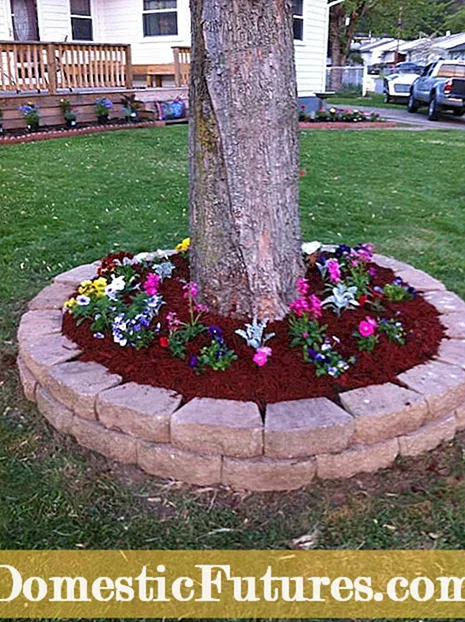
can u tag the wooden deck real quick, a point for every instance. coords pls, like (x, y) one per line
(60, 67)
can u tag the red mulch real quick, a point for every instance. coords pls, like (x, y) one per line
(286, 376)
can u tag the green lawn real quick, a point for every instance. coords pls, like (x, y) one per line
(67, 202)
(374, 100)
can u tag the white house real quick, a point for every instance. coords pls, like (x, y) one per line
(153, 28)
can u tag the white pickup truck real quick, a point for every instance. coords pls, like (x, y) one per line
(440, 87)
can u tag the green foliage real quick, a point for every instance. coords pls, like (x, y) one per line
(179, 339)
(409, 18)
(397, 293)
(393, 330)
(456, 21)
(306, 334)
(216, 356)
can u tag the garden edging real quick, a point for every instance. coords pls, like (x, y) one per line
(209, 441)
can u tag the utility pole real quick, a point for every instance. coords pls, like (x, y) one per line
(400, 29)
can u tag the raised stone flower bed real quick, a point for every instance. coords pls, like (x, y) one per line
(209, 441)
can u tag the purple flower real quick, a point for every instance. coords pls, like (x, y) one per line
(342, 249)
(312, 354)
(215, 332)
(193, 361)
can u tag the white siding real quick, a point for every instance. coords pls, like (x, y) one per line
(311, 53)
(122, 23)
(5, 21)
(54, 20)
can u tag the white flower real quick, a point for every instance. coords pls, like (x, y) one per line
(117, 285)
(83, 301)
(310, 248)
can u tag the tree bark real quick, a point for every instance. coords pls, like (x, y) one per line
(244, 156)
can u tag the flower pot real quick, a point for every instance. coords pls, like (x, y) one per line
(70, 124)
(32, 127)
(1, 129)
(102, 119)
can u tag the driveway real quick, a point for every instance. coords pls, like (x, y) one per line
(418, 120)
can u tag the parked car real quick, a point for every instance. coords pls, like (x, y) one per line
(440, 87)
(397, 86)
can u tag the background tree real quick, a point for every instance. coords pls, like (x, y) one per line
(243, 156)
(383, 17)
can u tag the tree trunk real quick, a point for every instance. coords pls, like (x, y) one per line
(338, 60)
(244, 156)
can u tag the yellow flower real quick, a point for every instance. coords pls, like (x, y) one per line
(184, 246)
(99, 286)
(70, 304)
(85, 288)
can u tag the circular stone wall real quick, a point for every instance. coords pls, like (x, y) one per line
(209, 441)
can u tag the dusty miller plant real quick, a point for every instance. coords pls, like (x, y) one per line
(254, 333)
(343, 298)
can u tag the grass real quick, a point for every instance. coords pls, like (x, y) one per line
(373, 100)
(67, 202)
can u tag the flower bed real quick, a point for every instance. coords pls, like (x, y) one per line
(339, 115)
(386, 398)
(317, 351)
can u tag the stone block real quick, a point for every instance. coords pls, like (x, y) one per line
(52, 297)
(138, 410)
(446, 302)
(267, 474)
(47, 351)
(442, 385)
(173, 463)
(114, 445)
(60, 417)
(452, 351)
(303, 428)
(28, 381)
(428, 437)
(77, 385)
(357, 459)
(384, 411)
(224, 427)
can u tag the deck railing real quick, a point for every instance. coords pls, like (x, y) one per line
(37, 66)
(182, 65)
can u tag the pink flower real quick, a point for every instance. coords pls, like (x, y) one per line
(300, 306)
(262, 355)
(315, 306)
(201, 309)
(334, 270)
(173, 321)
(367, 327)
(191, 290)
(303, 287)
(152, 284)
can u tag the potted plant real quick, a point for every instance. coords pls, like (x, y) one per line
(131, 108)
(69, 115)
(103, 107)
(31, 116)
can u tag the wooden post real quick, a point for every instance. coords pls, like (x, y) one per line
(129, 71)
(177, 67)
(52, 69)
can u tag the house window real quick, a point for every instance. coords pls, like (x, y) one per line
(299, 20)
(160, 18)
(24, 20)
(81, 20)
